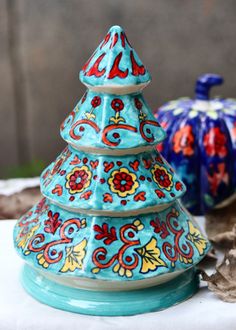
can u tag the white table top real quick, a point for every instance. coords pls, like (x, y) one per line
(18, 311)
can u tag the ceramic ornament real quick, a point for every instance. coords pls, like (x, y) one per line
(201, 145)
(110, 236)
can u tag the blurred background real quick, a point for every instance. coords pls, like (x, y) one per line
(43, 45)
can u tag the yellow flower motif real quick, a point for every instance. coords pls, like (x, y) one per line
(138, 224)
(78, 179)
(196, 238)
(122, 182)
(122, 271)
(74, 257)
(185, 260)
(23, 239)
(162, 177)
(42, 261)
(150, 255)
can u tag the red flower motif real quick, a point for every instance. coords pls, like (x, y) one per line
(162, 177)
(138, 103)
(117, 105)
(82, 176)
(183, 141)
(123, 181)
(78, 179)
(215, 142)
(96, 101)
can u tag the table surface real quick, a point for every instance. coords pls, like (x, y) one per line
(18, 311)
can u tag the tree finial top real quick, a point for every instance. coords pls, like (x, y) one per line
(115, 67)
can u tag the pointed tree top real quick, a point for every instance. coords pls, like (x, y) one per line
(115, 67)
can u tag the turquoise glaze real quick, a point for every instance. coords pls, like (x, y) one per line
(112, 122)
(110, 219)
(174, 241)
(101, 171)
(114, 62)
(110, 303)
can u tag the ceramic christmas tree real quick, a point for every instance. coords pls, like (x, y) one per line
(110, 223)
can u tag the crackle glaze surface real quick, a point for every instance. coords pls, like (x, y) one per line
(201, 147)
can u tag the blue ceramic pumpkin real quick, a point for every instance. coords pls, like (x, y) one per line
(201, 145)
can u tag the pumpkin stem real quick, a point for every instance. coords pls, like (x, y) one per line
(204, 84)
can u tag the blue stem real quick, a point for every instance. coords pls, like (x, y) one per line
(204, 84)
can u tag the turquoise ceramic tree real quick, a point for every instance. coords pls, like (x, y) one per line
(110, 222)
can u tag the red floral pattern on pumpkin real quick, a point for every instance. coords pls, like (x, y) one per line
(183, 141)
(215, 143)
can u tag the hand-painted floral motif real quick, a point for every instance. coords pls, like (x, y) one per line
(117, 105)
(215, 143)
(74, 257)
(183, 141)
(53, 251)
(150, 255)
(196, 238)
(123, 182)
(78, 179)
(96, 101)
(125, 262)
(23, 237)
(103, 233)
(178, 249)
(52, 223)
(202, 139)
(160, 227)
(162, 177)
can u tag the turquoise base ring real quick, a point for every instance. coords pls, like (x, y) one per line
(110, 303)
